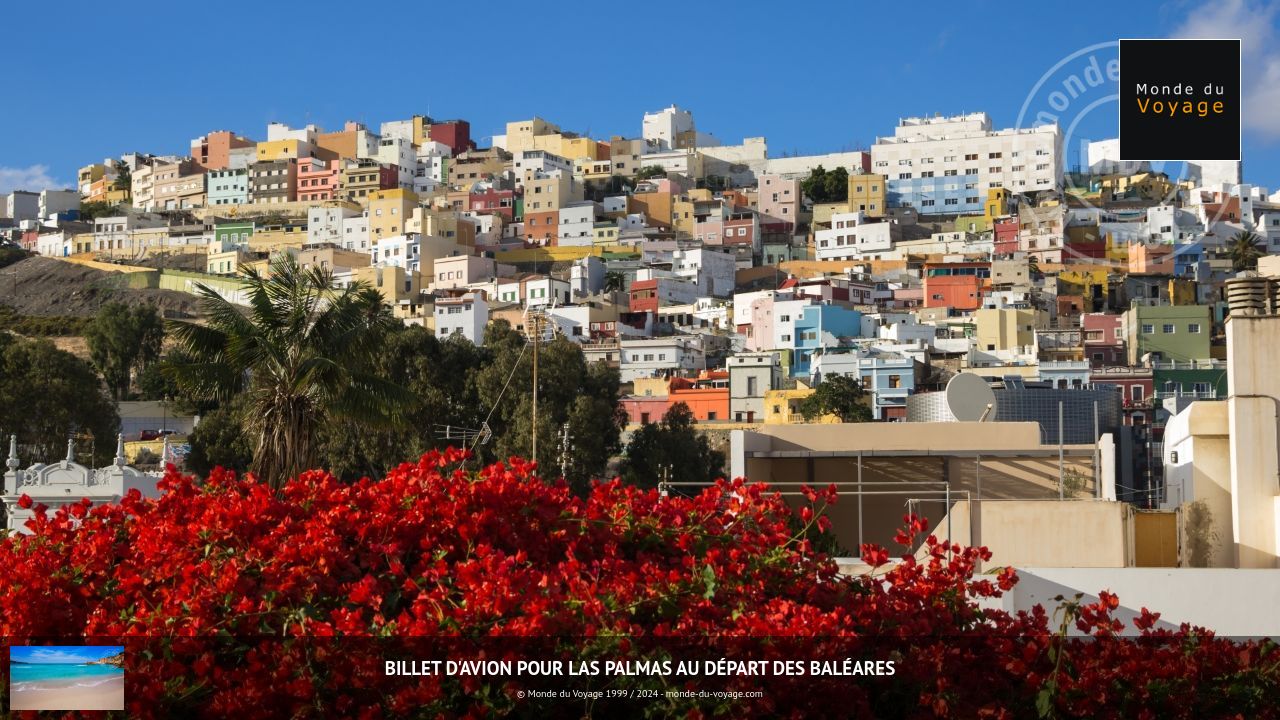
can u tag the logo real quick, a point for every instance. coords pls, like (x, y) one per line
(1180, 98)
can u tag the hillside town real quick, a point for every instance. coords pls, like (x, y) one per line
(1090, 297)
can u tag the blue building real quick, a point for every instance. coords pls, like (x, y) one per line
(946, 195)
(888, 378)
(822, 326)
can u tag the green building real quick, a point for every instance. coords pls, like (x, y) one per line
(232, 234)
(1168, 332)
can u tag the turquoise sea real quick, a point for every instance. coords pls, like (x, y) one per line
(51, 675)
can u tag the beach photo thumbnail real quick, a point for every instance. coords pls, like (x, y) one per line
(66, 677)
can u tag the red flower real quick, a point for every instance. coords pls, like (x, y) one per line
(25, 502)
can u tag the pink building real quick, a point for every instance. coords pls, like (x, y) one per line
(779, 201)
(317, 180)
(1104, 339)
(760, 332)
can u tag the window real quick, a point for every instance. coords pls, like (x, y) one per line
(904, 176)
(1167, 328)
(971, 171)
(993, 156)
(973, 156)
(895, 381)
(927, 174)
(711, 415)
(1148, 328)
(995, 169)
(949, 173)
(1119, 332)
(1193, 328)
(952, 201)
(1136, 392)
(1202, 389)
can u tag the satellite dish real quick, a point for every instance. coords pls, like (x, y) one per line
(970, 398)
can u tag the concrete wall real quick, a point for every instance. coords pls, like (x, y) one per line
(1197, 596)
(1200, 482)
(1045, 533)
(1253, 374)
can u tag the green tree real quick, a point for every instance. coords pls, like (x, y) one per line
(651, 171)
(671, 449)
(124, 177)
(220, 441)
(438, 375)
(1244, 249)
(837, 395)
(124, 340)
(571, 391)
(92, 210)
(823, 187)
(614, 281)
(304, 354)
(46, 394)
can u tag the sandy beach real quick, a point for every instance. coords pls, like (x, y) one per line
(105, 694)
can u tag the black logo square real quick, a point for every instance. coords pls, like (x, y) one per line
(1180, 99)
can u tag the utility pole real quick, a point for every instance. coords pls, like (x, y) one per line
(534, 317)
(564, 451)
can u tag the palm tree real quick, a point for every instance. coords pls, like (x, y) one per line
(1244, 249)
(302, 353)
(614, 281)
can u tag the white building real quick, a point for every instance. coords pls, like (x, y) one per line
(1104, 159)
(714, 272)
(53, 202)
(23, 205)
(654, 357)
(403, 251)
(66, 482)
(946, 165)
(665, 127)
(751, 375)
(355, 232)
(324, 223)
(851, 237)
(577, 224)
(465, 315)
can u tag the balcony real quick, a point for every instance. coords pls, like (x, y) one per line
(1189, 365)
(1210, 394)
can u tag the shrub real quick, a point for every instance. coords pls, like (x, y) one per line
(235, 600)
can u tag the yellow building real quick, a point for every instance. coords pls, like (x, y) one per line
(390, 212)
(472, 166)
(521, 134)
(283, 149)
(1006, 328)
(605, 234)
(274, 238)
(867, 194)
(1154, 187)
(1078, 280)
(395, 284)
(997, 204)
(782, 407)
(88, 175)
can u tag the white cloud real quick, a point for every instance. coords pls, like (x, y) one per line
(34, 178)
(42, 655)
(1254, 24)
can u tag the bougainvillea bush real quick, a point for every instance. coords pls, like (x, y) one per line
(237, 601)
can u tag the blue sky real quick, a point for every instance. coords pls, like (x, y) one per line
(89, 80)
(63, 654)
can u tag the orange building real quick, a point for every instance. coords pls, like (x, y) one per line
(1152, 259)
(706, 395)
(213, 151)
(542, 228)
(956, 285)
